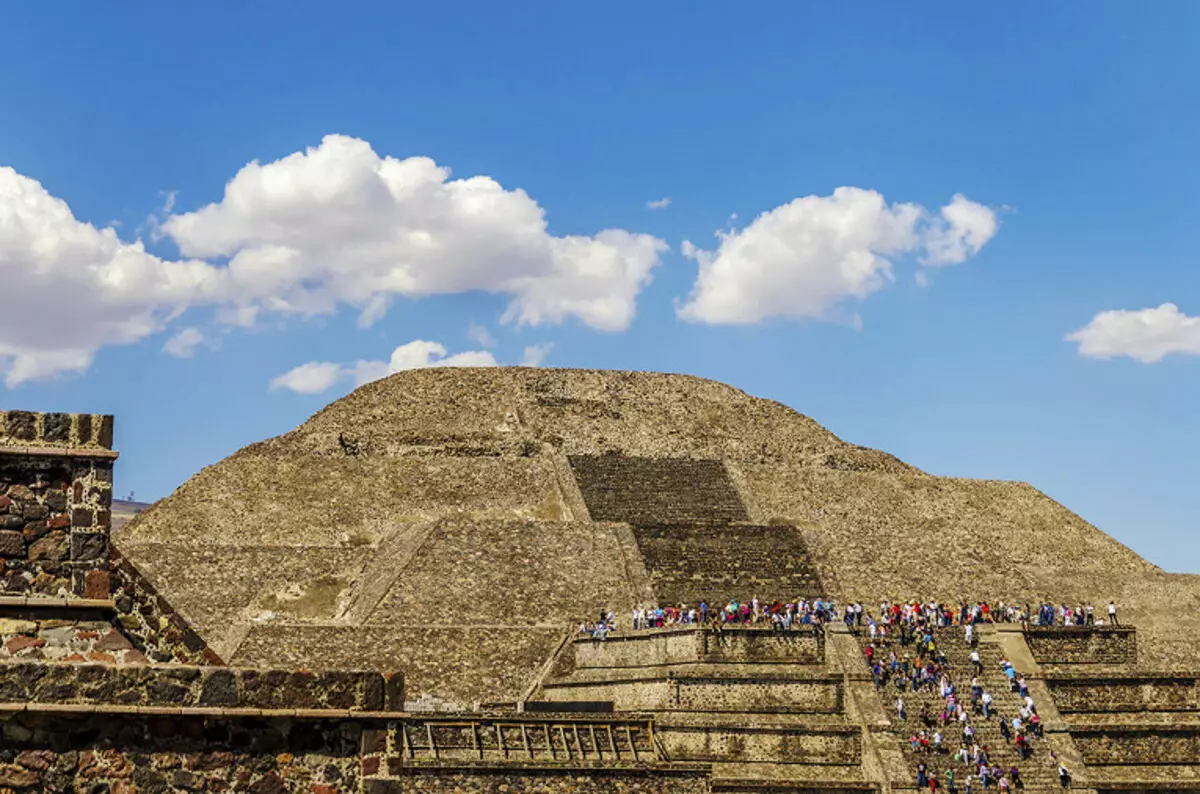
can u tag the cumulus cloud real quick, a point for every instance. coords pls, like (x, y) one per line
(184, 343)
(962, 229)
(318, 376)
(311, 378)
(78, 288)
(1147, 335)
(480, 335)
(334, 225)
(417, 354)
(534, 355)
(659, 204)
(338, 224)
(804, 258)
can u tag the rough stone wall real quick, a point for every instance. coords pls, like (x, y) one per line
(54, 523)
(689, 563)
(152, 626)
(750, 744)
(540, 781)
(444, 667)
(746, 694)
(181, 686)
(636, 490)
(1135, 693)
(130, 754)
(1079, 645)
(64, 635)
(510, 573)
(656, 647)
(1139, 746)
(334, 499)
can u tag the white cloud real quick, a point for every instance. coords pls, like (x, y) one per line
(107, 292)
(962, 230)
(418, 354)
(184, 343)
(480, 335)
(311, 378)
(1146, 334)
(534, 355)
(659, 204)
(318, 376)
(804, 258)
(336, 224)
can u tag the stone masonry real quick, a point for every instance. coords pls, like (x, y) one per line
(55, 503)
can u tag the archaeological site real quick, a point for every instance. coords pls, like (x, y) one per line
(404, 594)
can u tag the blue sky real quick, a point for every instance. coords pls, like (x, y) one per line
(1068, 130)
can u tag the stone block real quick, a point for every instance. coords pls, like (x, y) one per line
(56, 500)
(35, 512)
(97, 584)
(35, 530)
(10, 521)
(22, 425)
(88, 546)
(373, 694)
(105, 437)
(56, 427)
(82, 517)
(53, 547)
(220, 689)
(393, 687)
(12, 544)
(83, 424)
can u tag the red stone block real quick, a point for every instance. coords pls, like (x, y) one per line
(60, 521)
(370, 765)
(21, 642)
(97, 584)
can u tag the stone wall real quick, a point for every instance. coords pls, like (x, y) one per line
(728, 693)
(55, 505)
(1145, 745)
(448, 668)
(150, 623)
(692, 563)
(64, 634)
(1128, 693)
(529, 779)
(130, 754)
(543, 573)
(826, 746)
(180, 686)
(1081, 645)
(656, 647)
(636, 491)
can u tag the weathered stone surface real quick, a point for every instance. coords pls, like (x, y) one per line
(52, 547)
(57, 427)
(21, 425)
(12, 544)
(88, 546)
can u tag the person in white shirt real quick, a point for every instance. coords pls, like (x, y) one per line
(987, 705)
(1112, 614)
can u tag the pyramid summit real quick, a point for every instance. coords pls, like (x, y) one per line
(450, 529)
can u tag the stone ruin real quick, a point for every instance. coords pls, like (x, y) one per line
(384, 600)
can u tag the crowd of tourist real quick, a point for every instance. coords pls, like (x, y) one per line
(897, 618)
(921, 665)
(951, 729)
